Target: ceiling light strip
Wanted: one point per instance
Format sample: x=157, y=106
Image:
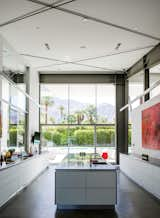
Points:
x=140, y=96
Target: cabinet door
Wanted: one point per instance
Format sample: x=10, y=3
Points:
x=99, y=196
x=100, y=179
x=70, y=179
x=70, y=196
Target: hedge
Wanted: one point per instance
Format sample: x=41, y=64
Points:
x=76, y=135
x=81, y=136
x=13, y=134
x=84, y=137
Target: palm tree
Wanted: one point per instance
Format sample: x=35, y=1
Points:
x=90, y=112
x=47, y=101
x=79, y=116
x=61, y=108
x=71, y=118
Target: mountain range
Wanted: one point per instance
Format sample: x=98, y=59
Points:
x=104, y=110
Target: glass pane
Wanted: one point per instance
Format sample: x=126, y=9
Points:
x=53, y=136
x=136, y=88
x=105, y=104
x=55, y=140
x=16, y=130
x=17, y=98
x=77, y=114
x=11, y=60
x=81, y=139
x=106, y=141
x=54, y=98
x=82, y=108
x=154, y=77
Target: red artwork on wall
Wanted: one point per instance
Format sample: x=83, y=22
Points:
x=0, y=121
x=151, y=127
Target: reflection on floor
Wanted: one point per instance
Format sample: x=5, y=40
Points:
x=37, y=201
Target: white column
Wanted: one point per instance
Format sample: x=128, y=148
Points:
x=33, y=89
x=0, y=112
x=4, y=94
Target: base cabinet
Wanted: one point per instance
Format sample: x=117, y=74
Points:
x=86, y=187
x=15, y=178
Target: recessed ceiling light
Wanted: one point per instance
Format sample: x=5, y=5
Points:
x=135, y=28
x=67, y=58
x=37, y=27
x=47, y=46
x=118, y=46
x=83, y=46
x=84, y=19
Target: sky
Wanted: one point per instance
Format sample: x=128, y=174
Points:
x=85, y=93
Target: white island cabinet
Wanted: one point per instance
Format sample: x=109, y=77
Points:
x=82, y=184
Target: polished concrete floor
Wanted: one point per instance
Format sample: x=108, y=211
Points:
x=37, y=201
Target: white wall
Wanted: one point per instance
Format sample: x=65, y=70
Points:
x=136, y=117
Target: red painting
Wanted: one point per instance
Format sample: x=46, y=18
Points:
x=0, y=121
x=151, y=127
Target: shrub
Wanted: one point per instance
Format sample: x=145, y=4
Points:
x=47, y=135
x=13, y=136
x=56, y=138
x=129, y=137
x=84, y=137
x=105, y=136
x=13, y=130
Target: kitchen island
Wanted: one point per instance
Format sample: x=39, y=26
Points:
x=80, y=183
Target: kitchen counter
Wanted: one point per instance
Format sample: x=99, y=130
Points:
x=16, y=162
x=77, y=162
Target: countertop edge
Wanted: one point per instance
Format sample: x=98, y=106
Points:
x=19, y=162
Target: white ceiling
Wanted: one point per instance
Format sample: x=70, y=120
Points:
x=66, y=33
x=155, y=69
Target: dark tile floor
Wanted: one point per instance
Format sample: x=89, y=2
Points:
x=37, y=201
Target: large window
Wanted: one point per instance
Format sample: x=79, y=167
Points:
x=13, y=101
x=17, y=118
x=78, y=117
x=13, y=117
